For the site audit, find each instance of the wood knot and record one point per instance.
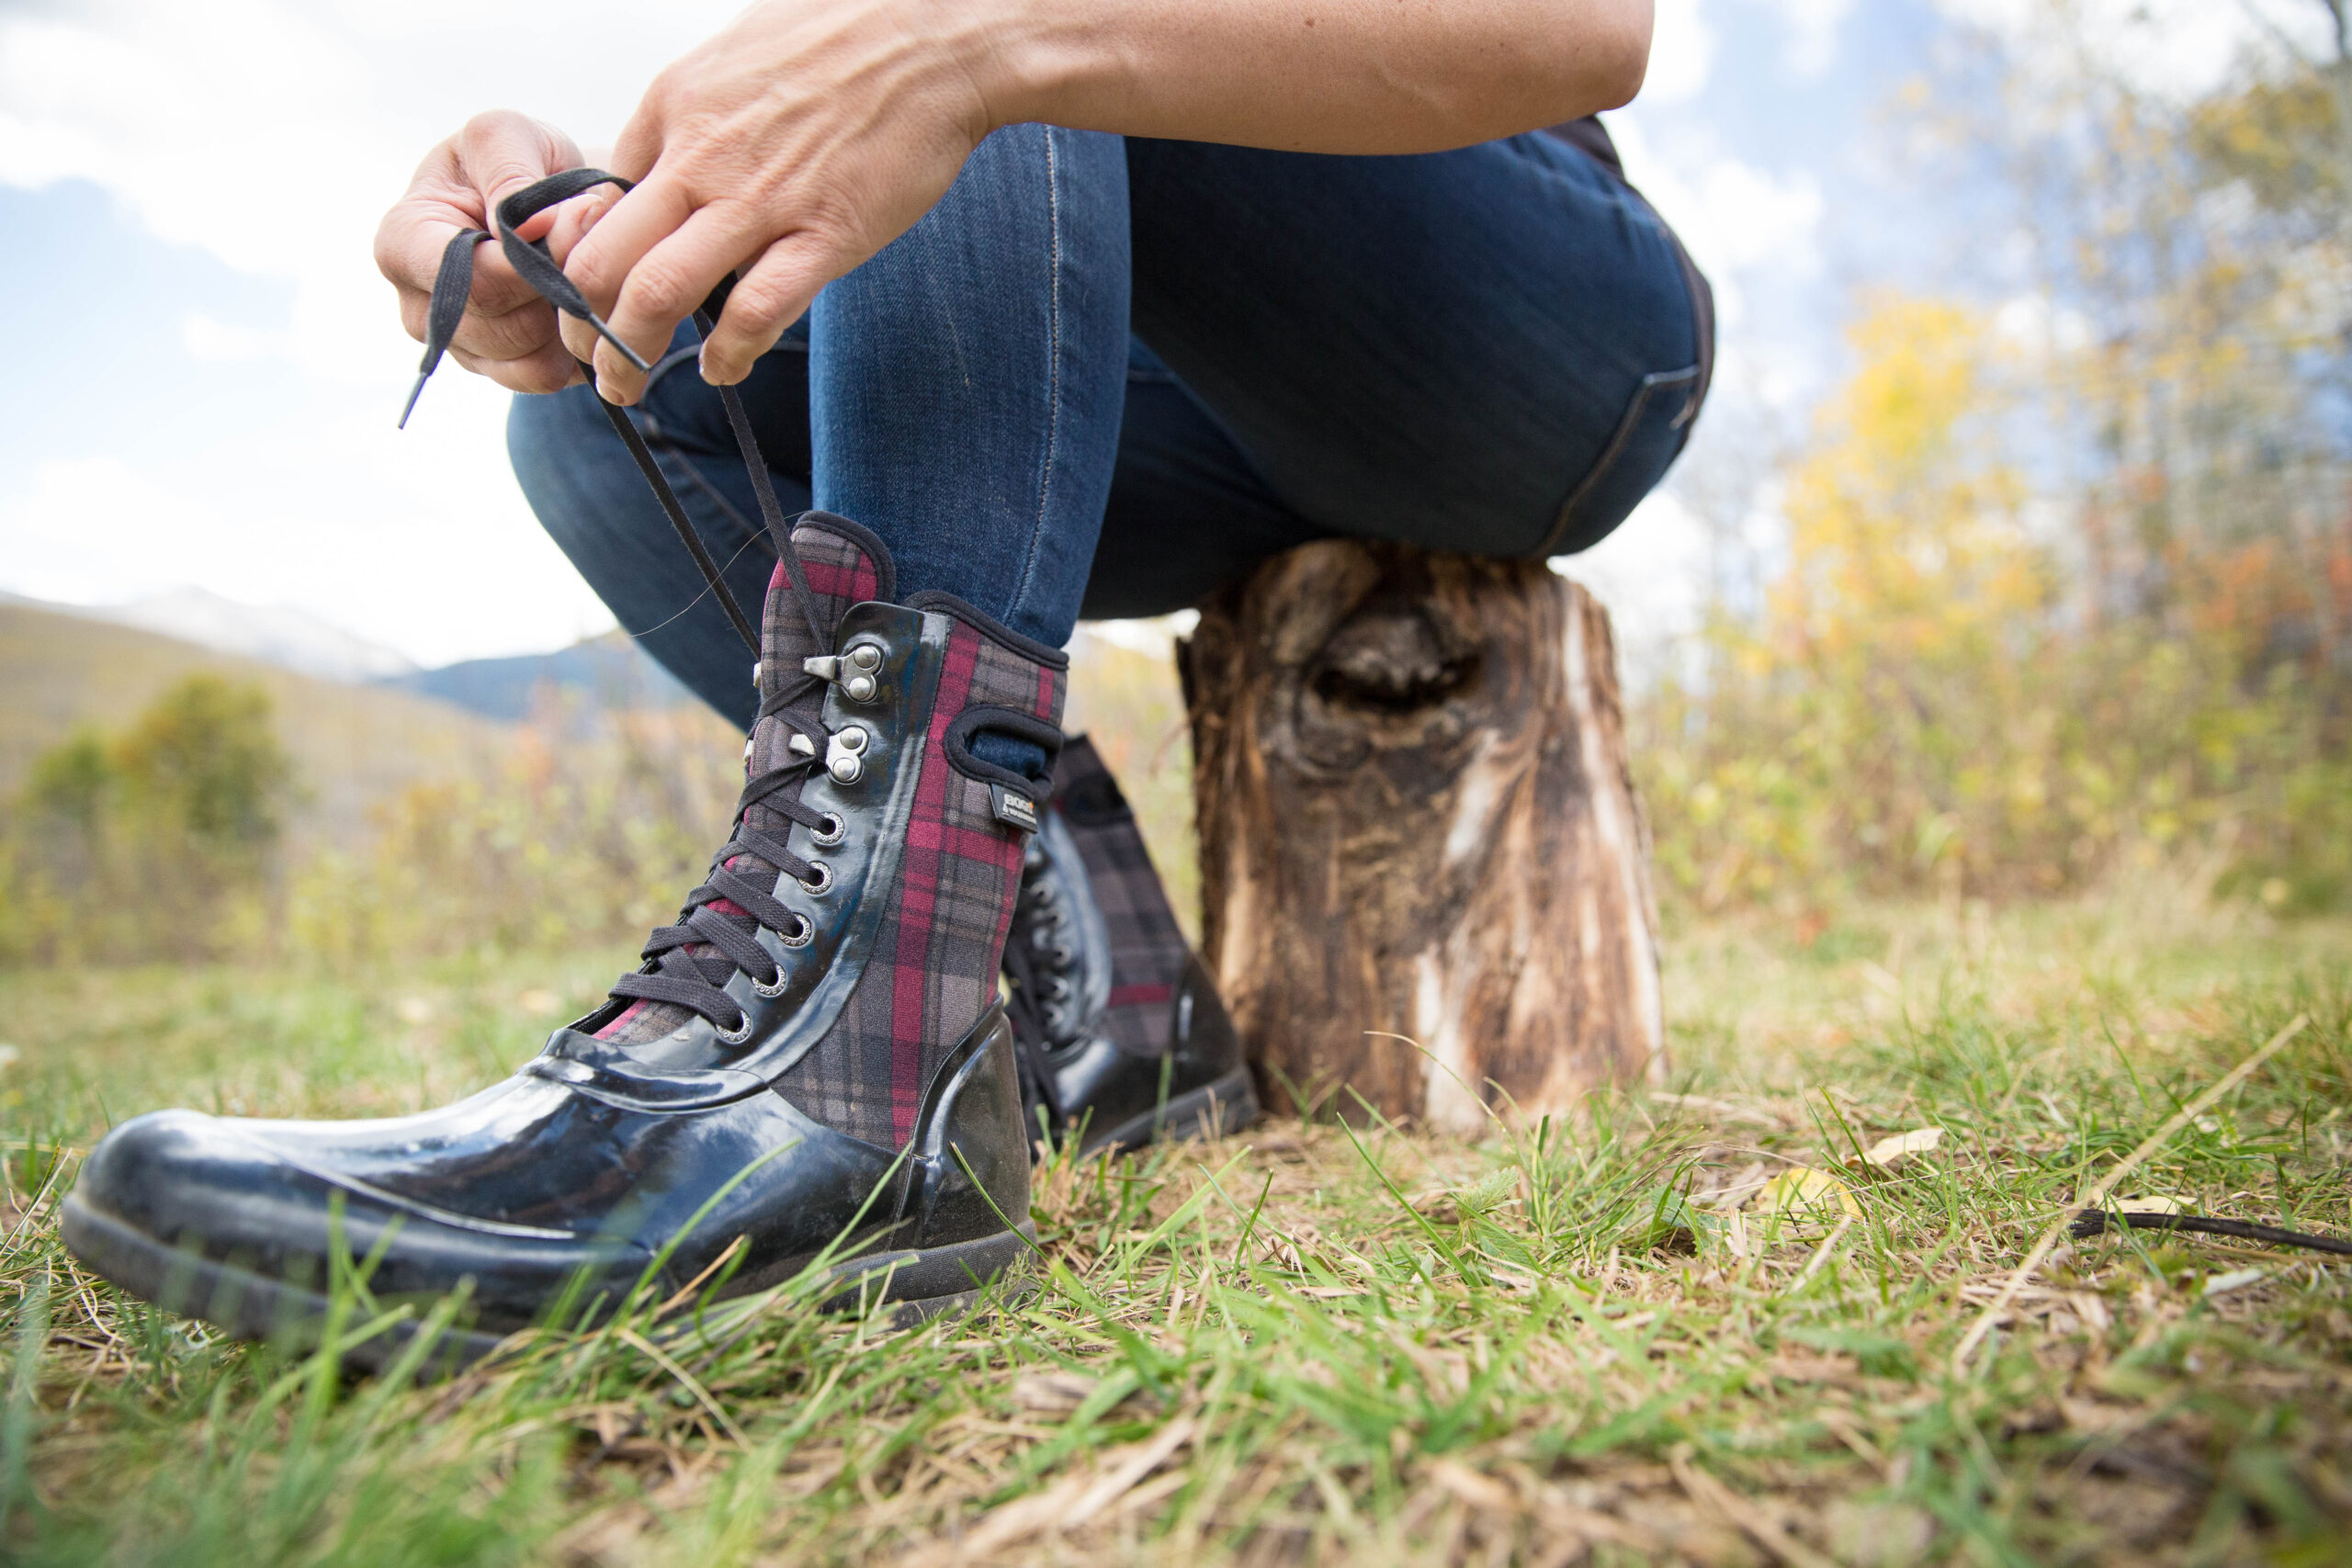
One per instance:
(1391, 662)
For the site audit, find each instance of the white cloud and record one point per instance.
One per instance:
(1652, 573)
(272, 134)
(419, 542)
(216, 342)
(1748, 228)
(1813, 27)
(1682, 53)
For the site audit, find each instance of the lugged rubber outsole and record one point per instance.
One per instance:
(1212, 1111)
(922, 1282)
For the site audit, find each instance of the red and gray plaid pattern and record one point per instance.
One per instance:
(1147, 948)
(933, 967)
(840, 573)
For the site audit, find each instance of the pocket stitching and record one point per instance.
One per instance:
(1619, 439)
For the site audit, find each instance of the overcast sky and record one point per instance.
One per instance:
(206, 366)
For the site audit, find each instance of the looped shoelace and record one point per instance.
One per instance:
(721, 916)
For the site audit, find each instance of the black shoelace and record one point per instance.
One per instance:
(1040, 955)
(674, 972)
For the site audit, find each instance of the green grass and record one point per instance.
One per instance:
(1308, 1343)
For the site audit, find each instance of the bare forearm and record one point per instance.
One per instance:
(806, 134)
(1309, 75)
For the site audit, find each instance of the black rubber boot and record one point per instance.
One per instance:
(1123, 1038)
(822, 1029)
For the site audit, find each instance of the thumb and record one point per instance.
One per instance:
(501, 153)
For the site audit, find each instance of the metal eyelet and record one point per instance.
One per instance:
(833, 834)
(824, 883)
(800, 937)
(738, 1036)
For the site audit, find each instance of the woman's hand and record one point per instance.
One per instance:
(509, 333)
(792, 146)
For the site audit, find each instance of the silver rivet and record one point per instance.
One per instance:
(861, 688)
(841, 753)
(866, 656)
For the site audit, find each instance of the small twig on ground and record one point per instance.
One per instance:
(2097, 1192)
(2093, 1221)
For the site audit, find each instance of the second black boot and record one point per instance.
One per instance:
(813, 1056)
(1124, 1037)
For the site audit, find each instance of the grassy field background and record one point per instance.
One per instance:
(1596, 1341)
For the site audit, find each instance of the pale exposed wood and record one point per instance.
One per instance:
(1415, 820)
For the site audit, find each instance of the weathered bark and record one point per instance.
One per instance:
(1425, 874)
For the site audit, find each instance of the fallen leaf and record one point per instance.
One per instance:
(2235, 1280)
(1888, 1152)
(1801, 1192)
(2148, 1203)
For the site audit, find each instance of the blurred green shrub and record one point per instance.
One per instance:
(567, 841)
(169, 841)
(157, 842)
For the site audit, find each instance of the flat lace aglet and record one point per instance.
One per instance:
(414, 393)
(607, 333)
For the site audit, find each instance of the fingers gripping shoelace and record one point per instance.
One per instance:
(688, 964)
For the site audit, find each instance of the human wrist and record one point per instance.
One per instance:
(1031, 60)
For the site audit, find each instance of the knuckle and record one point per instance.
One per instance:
(760, 303)
(661, 286)
(490, 127)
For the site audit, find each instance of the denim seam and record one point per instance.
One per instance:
(1053, 370)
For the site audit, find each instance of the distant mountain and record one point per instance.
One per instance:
(609, 672)
(355, 746)
(278, 635)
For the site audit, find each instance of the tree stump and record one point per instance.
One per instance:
(1425, 873)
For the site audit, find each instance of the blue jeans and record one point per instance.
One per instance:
(1105, 375)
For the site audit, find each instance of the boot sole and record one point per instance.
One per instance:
(920, 1283)
(1212, 1111)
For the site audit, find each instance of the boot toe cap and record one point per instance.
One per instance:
(182, 1183)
